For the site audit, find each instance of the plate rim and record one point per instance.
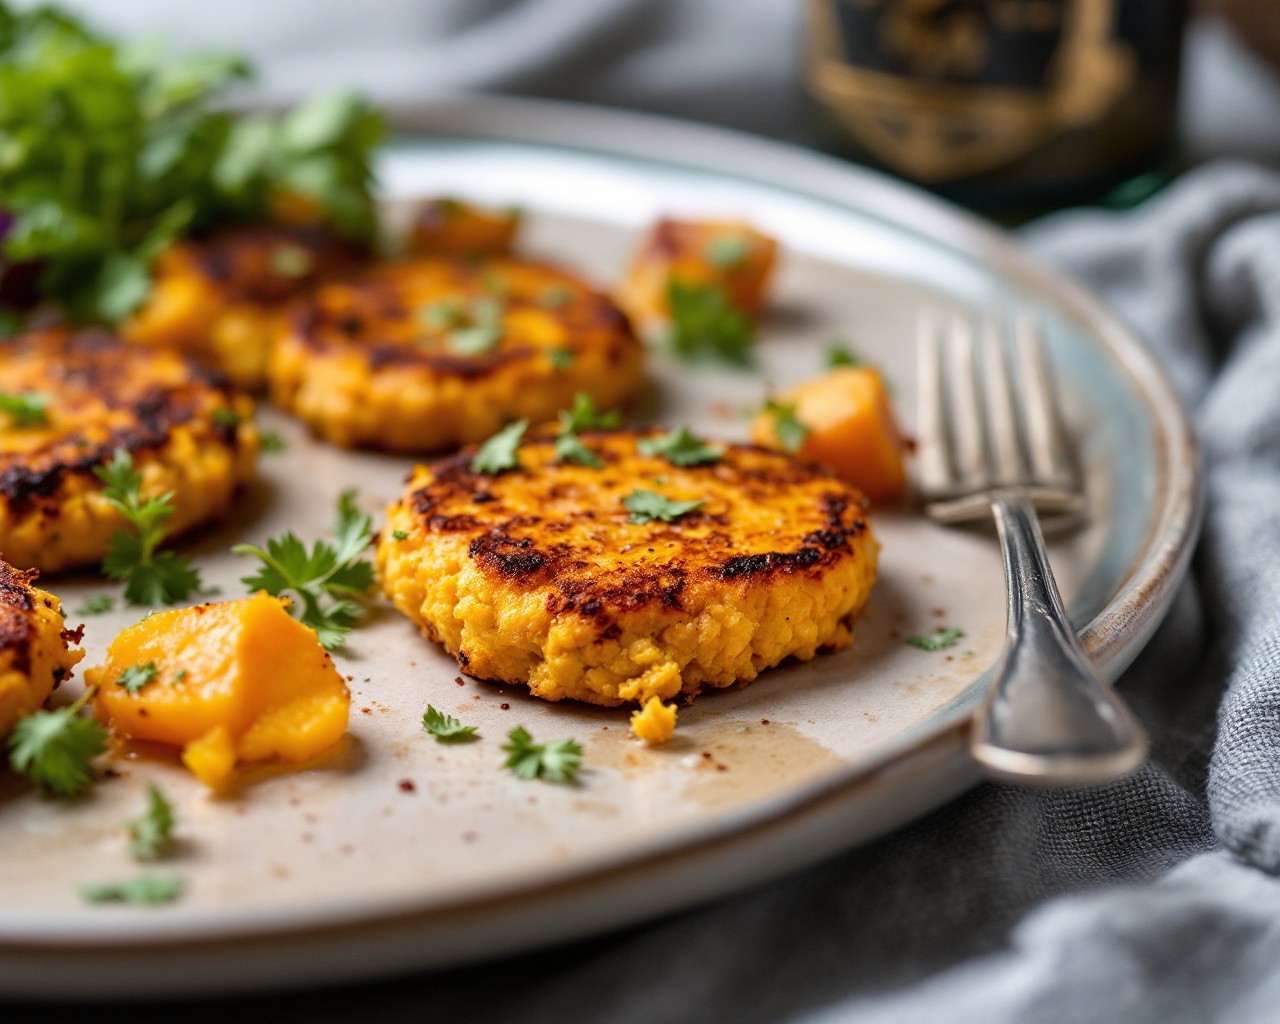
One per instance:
(1113, 637)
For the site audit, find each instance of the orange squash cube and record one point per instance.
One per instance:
(236, 681)
(447, 227)
(848, 424)
(728, 255)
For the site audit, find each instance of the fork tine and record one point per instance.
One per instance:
(935, 464)
(968, 453)
(1052, 456)
(1003, 426)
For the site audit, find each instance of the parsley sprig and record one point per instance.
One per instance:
(647, 506)
(706, 327)
(55, 748)
(680, 448)
(558, 761)
(151, 834)
(151, 577)
(447, 729)
(498, 453)
(583, 415)
(25, 408)
(789, 431)
(327, 582)
(135, 677)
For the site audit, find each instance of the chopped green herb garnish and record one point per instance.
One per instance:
(789, 431)
(728, 251)
(272, 442)
(26, 408)
(442, 315)
(226, 417)
(498, 453)
(399, 535)
(96, 605)
(585, 416)
(937, 640)
(841, 355)
(328, 583)
(558, 761)
(646, 506)
(569, 448)
(151, 835)
(56, 748)
(291, 261)
(680, 448)
(706, 327)
(447, 729)
(135, 677)
(144, 890)
(473, 341)
(151, 577)
(560, 358)
(555, 296)
(180, 675)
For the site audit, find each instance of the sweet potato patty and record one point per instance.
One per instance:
(35, 645)
(186, 429)
(428, 353)
(218, 297)
(537, 576)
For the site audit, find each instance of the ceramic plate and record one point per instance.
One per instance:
(396, 852)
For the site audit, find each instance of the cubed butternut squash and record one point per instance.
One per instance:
(232, 682)
(846, 422)
(728, 255)
(447, 227)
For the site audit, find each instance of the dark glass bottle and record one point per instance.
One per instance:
(1009, 106)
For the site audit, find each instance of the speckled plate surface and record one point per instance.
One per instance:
(397, 853)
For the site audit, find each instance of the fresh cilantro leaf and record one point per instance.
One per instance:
(226, 417)
(585, 416)
(96, 605)
(789, 431)
(560, 358)
(569, 448)
(555, 296)
(144, 890)
(558, 761)
(646, 506)
(498, 453)
(151, 577)
(937, 640)
(151, 835)
(135, 677)
(399, 535)
(328, 582)
(680, 448)
(841, 355)
(706, 327)
(272, 442)
(291, 261)
(727, 250)
(447, 729)
(56, 748)
(26, 408)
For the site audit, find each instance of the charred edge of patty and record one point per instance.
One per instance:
(16, 603)
(227, 257)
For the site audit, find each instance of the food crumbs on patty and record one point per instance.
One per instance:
(549, 583)
(187, 431)
(232, 682)
(655, 722)
(428, 353)
(36, 648)
(217, 297)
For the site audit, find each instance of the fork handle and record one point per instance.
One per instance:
(1047, 717)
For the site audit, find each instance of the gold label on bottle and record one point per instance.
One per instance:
(943, 89)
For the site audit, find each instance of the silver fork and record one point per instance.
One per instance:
(992, 442)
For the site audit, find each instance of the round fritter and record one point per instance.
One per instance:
(35, 645)
(425, 354)
(219, 297)
(187, 430)
(538, 576)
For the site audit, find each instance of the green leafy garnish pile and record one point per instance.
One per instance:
(447, 729)
(55, 749)
(937, 640)
(680, 448)
(111, 152)
(151, 835)
(646, 506)
(706, 327)
(25, 408)
(498, 453)
(151, 577)
(789, 431)
(326, 583)
(558, 761)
